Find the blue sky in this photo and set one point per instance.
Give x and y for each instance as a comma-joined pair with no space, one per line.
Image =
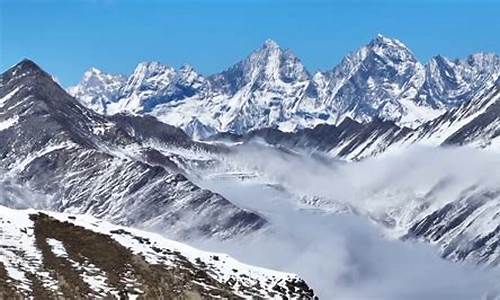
67,37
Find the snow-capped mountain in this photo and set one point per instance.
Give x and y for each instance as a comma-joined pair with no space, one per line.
106,166
97,90
259,91
378,80
475,123
46,255
453,82
151,84
271,88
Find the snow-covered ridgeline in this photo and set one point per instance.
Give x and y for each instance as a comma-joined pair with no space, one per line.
272,88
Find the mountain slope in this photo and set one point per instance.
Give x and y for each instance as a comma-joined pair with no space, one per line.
48,255
102,166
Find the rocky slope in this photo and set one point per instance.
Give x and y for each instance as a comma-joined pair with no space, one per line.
107,167
271,88
45,255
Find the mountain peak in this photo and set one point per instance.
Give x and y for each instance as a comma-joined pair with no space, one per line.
94,70
440,60
186,68
151,65
149,69
24,67
392,49
270,44
381,40
381,37
92,73
94,77
27,63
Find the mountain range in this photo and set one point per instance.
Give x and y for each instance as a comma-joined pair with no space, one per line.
271,88
134,151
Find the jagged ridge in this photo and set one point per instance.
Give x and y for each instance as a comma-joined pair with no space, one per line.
272,88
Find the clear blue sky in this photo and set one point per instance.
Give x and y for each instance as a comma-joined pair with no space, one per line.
67,37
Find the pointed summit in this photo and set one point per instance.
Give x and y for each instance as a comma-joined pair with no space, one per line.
187,71
381,40
92,73
186,68
150,75
390,49
23,68
27,64
97,89
266,66
94,70
270,44
150,65
37,90
147,69
187,75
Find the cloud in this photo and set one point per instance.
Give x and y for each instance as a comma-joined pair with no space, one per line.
346,256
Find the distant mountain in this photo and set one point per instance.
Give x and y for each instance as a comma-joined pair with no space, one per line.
475,123
106,166
453,82
47,255
271,88
378,80
97,90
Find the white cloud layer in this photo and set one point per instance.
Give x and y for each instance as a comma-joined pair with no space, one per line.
345,256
